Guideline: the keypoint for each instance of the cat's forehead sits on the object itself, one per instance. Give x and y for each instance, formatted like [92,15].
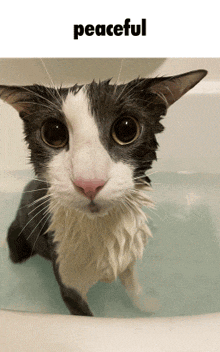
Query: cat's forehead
[94,101]
[78,113]
[76,105]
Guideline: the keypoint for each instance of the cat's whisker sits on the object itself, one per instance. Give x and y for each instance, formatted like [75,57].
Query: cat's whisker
[36,190]
[140,184]
[31,220]
[156,214]
[164,210]
[40,180]
[34,202]
[162,96]
[45,68]
[35,103]
[152,173]
[52,82]
[23,102]
[131,200]
[52,104]
[128,96]
[54,92]
[123,89]
[138,82]
[171,93]
[40,233]
[134,210]
[119,74]
[38,200]
[147,102]
[141,181]
[126,204]
[36,179]
[137,198]
[144,185]
[46,201]
[138,177]
[44,215]
[136,193]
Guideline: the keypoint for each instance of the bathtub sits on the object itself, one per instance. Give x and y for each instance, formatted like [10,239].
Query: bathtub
[180,265]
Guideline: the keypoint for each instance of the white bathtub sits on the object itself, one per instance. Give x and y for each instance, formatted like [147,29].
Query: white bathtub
[188,173]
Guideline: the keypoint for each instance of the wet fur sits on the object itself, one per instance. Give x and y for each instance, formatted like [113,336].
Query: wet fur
[85,247]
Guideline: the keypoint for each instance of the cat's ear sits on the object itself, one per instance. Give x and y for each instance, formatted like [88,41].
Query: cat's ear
[170,89]
[18,97]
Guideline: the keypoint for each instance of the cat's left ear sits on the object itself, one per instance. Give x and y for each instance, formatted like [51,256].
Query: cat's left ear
[17,96]
[170,89]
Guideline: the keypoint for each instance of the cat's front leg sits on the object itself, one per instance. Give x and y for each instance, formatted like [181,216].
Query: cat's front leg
[129,279]
[75,300]
[19,249]
[76,304]
[27,233]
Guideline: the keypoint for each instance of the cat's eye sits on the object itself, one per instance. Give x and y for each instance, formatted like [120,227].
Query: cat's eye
[126,130]
[54,133]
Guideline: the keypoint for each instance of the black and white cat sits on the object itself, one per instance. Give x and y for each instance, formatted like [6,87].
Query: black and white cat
[90,146]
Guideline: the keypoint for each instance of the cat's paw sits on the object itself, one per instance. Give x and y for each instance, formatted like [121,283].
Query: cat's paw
[146,303]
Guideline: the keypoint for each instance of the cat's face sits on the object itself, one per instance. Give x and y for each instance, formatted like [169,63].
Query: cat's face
[108,146]
[94,143]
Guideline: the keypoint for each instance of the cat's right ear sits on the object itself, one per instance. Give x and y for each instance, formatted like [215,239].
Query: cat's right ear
[18,97]
[169,90]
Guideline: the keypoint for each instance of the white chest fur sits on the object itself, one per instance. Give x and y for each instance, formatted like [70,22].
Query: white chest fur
[99,248]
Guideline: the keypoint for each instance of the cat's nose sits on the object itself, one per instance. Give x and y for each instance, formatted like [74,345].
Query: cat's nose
[89,187]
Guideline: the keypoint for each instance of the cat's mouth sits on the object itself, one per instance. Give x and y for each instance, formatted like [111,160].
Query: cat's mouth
[94,207]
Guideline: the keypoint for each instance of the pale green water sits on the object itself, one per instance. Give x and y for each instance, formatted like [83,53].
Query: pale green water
[181,264]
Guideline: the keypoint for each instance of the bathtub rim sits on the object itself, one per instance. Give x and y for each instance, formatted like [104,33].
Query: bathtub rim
[34,330]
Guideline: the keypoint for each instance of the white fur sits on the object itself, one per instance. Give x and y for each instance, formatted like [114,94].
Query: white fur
[102,245]
[99,248]
[89,159]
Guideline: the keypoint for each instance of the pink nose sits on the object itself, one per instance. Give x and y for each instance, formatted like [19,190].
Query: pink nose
[89,187]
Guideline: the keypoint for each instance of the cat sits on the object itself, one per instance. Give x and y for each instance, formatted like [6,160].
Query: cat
[90,147]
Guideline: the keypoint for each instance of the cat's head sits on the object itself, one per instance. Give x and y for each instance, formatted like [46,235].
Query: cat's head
[94,143]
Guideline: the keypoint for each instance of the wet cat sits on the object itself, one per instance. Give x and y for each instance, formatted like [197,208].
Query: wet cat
[90,146]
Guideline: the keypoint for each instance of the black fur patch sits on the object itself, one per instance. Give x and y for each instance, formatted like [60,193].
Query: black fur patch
[110,102]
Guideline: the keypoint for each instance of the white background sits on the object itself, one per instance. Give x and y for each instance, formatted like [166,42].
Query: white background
[45,28]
